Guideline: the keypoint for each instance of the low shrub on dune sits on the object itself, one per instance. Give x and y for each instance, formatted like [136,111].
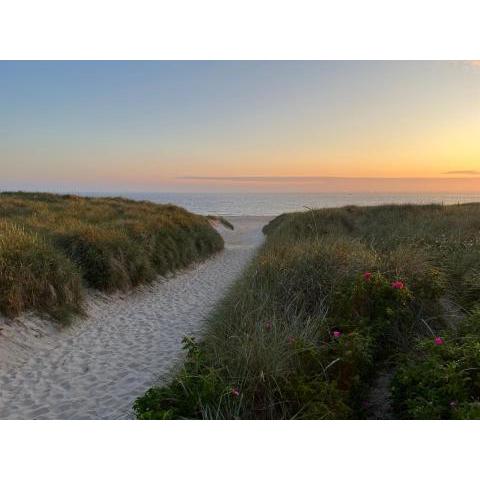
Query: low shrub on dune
[440,377]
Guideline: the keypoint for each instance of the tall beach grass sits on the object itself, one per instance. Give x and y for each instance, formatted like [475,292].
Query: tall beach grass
[333,297]
[52,246]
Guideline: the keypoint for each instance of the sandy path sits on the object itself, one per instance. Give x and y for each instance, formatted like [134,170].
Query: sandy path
[99,366]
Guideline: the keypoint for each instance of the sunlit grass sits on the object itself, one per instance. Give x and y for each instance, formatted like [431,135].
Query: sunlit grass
[51,246]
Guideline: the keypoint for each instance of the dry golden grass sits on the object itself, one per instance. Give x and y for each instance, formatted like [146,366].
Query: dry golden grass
[51,245]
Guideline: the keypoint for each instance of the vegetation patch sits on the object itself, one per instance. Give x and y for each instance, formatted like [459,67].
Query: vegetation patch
[441,379]
[51,246]
[332,295]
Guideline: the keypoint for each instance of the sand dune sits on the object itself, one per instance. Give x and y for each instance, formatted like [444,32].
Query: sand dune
[97,367]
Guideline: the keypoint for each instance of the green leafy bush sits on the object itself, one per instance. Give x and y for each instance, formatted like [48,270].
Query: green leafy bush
[441,381]
[315,387]
[196,392]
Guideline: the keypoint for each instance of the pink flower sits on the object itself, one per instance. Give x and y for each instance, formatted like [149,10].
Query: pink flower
[235,392]
[337,333]
[453,403]
[268,326]
[398,284]
[367,276]
[439,341]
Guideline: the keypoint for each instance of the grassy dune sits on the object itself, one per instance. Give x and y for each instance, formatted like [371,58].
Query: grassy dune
[334,299]
[52,246]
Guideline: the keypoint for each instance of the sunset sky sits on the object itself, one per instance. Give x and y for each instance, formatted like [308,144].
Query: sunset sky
[201,126]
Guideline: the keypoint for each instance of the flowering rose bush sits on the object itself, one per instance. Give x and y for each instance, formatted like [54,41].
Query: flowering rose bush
[386,313]
[440,379]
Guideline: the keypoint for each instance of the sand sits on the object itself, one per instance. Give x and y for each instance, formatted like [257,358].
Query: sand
[98,366]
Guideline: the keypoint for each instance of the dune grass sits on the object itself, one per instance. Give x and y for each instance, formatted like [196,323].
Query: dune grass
[333,297]
[52,246]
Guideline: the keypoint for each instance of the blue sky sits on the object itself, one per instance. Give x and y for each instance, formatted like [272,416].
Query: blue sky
[142,125]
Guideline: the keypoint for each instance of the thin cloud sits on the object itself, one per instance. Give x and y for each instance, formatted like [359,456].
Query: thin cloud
[462,172]
[314,179]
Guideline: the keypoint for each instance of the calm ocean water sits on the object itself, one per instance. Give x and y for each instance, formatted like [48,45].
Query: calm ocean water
[277,203]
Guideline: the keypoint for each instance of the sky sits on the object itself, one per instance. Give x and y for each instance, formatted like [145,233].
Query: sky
[240,126]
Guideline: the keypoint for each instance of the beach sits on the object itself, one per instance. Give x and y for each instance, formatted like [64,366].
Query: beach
[97,366]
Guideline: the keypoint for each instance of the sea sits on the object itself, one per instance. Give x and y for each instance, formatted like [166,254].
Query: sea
[272,204]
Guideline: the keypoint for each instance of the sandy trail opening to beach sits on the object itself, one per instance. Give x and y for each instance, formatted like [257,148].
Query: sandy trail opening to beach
[97,367]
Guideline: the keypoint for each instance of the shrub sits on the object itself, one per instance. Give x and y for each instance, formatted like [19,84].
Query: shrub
[205,391]
[441,381]
[196,385]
